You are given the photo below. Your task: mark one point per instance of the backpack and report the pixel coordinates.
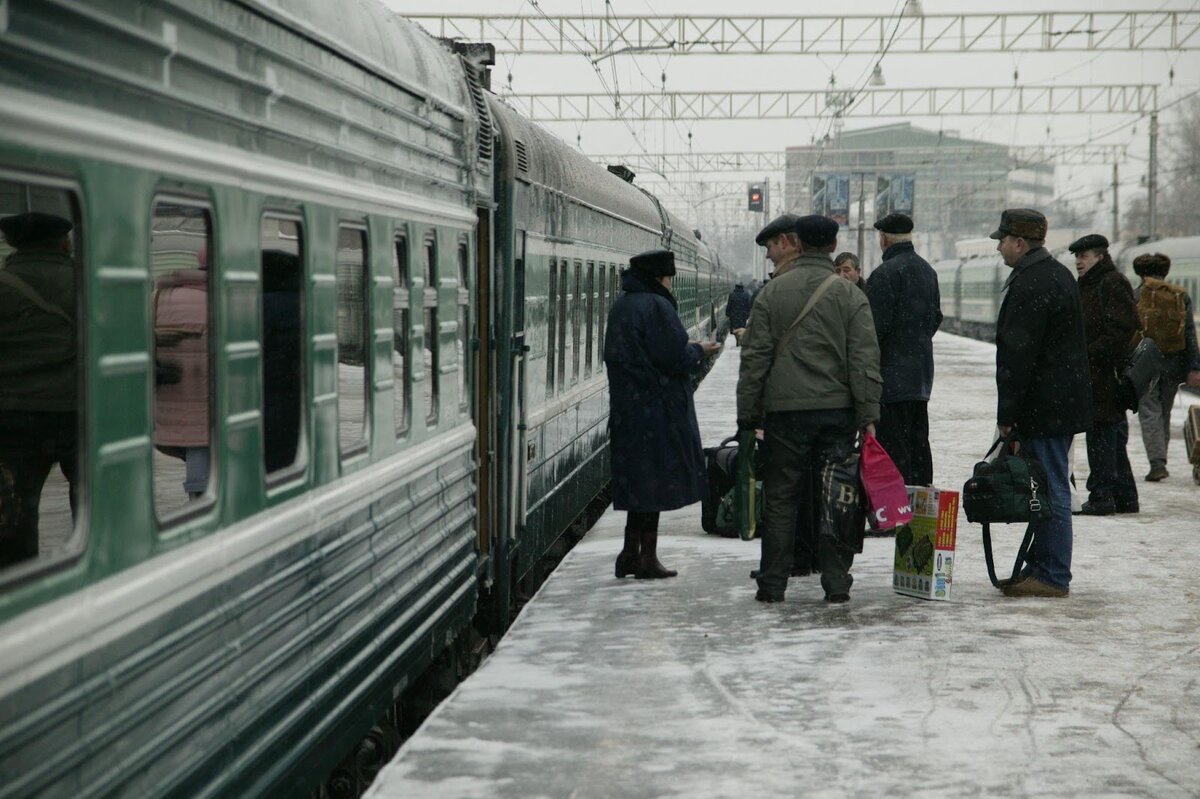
(1162, 311)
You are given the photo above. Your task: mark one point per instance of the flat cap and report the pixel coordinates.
(655, 263)
(784, 223)
(34, 227)
(895, 223)
(1024, 223)
(1092, 241)
(816, 230)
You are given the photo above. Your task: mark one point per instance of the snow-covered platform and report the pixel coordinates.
(688, 687)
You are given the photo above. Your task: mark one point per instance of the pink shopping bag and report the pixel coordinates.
(888, 505)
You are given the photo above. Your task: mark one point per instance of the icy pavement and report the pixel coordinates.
(690, 688)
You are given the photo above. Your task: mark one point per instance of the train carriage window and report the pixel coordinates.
(576, 312)
(282, 241)
(551, 325)
(401, 363)
(42, 433)
(181, 315)
(431, 361)
(563, 291)
(590, 288)
(463, 337)
(353, 335)
(601, 318)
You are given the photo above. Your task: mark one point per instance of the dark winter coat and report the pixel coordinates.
(738, 307)
(907, 307)
(1042, 378)
(1109, 321)
(657, 462)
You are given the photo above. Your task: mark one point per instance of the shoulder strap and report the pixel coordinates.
(28, 292)
(812, 301)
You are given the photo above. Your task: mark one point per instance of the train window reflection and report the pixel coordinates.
(401, 363)
(576, 312)
(181, 313)
(41, 407)
(282, 341)
(591, 313)
(551, 324)
(430, 354)
(463, 339)
(352, 337)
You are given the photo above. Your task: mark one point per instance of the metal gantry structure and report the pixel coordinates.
(806, 104)
(695, 164)
(843, 34)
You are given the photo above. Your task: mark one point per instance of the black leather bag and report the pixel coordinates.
(1008, 489)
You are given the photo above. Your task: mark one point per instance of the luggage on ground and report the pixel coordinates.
(725, 509)
(887, 497)
(1191, 440)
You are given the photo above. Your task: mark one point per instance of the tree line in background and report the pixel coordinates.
(1178, 179)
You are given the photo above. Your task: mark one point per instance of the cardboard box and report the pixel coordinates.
(924, 564)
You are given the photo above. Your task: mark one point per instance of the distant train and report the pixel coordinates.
(341, 395)
(971, 287)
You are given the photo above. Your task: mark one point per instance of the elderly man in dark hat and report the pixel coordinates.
(810, 379)
(38, 337)
(657, 462)
(1109, 322)
(1044, 391)
(907, 307)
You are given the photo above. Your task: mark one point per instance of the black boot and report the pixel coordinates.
(627, 561)
(648, 566)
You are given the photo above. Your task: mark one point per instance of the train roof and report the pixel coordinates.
(545, 159)
(379, 40)
(1182, 247)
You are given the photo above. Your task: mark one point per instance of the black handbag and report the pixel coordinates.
(1008, 489)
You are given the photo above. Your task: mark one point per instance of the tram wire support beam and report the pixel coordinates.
(1152, 177)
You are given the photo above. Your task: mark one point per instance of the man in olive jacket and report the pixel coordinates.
(1043, 389)
(811, 388)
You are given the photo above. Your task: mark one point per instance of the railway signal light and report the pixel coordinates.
(754, 197)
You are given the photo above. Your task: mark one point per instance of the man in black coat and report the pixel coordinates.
(737, 307)
(657, 462)
(907, 307)
(1109, 321)
(1044, 391)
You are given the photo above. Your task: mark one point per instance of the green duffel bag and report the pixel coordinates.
(1008, 489)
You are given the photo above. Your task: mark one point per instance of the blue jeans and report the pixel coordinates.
(1050, 553)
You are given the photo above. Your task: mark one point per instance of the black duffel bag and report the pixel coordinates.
(1008, 489)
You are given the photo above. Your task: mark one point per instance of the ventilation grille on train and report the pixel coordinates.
(486, 134)
(522, 156)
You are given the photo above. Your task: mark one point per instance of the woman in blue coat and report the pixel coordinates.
(657, 461)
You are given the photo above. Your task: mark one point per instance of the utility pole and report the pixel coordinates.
(1116, 206)
(1152, 178)
(862, 209)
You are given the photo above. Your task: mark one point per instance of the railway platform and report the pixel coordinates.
(688, 687)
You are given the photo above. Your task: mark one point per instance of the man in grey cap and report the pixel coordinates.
(907, 307)
(779, 237)
(810, 379)
(1043, 387)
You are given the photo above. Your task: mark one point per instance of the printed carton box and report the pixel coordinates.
(924, 565)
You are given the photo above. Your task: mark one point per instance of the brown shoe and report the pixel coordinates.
(627, 561)
(1157, 474)
(648, 566)
(1031, 586)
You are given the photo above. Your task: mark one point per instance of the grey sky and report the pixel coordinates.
(723, 73)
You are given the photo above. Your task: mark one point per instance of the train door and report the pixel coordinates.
(518, 435)
(483, 404)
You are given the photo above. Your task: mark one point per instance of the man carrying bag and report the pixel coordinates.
(1043, 386)
(810, 378)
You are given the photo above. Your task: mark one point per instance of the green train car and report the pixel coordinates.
(332, 397)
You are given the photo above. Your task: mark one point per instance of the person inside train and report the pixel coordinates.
(1165, 314)
(809, 377)
(907, 307)
(1109, 321)
(38, 336)
(1043, 386)
(847, 265)
(656, 458)
(181, 420)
